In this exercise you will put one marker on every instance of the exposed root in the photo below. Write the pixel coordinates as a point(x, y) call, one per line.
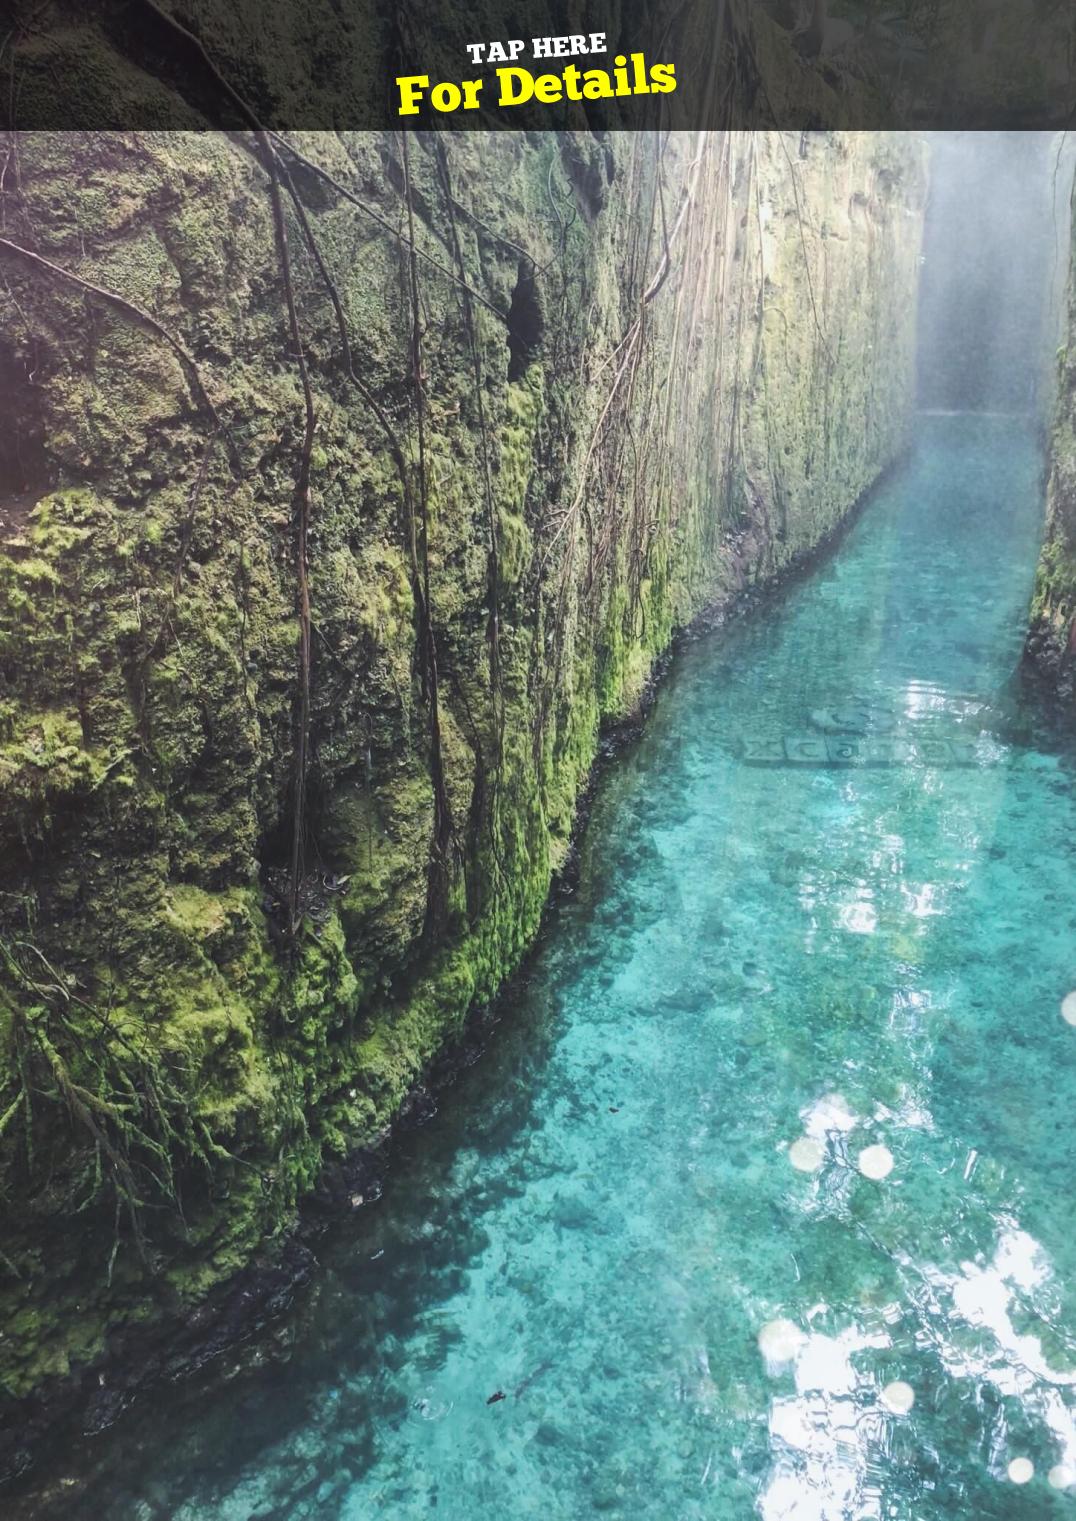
point(302, 570)
point(444, 830)
point(131, 311)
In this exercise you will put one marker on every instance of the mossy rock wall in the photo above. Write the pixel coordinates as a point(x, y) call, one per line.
point(1052, 636)
point(650, 374)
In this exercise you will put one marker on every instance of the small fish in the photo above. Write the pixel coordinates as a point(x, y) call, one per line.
point(500, 1395)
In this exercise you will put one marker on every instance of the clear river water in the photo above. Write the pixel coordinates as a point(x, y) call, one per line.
point(825, 905)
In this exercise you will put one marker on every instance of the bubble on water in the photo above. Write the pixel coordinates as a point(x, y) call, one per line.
point(859, 918)
point(426, 1409)
point(780, 1340)
point(898, 1397)
point(1068, 1008)
point(806, 1155)
point(1021, 1470)
point(831, 1112)
point(875, 1162)
point(1061, 1476)
point(841, 1113)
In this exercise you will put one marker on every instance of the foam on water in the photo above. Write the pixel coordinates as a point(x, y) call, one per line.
point(602, 1223)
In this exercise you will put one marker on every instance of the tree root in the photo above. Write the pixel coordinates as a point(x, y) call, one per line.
point(129, 309)
point(302, 512)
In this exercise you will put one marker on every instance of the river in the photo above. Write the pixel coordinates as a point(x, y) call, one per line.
point(825, 899)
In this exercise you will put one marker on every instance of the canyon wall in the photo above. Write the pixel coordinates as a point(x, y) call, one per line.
point(1051, 645)
point(349, 488)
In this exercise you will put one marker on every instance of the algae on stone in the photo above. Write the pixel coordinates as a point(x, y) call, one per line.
point(680, 423)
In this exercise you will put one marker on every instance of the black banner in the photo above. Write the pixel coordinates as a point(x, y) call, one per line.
point(556, 64)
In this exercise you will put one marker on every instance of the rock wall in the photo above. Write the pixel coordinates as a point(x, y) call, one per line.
point(275, 818)
point(1051, 644)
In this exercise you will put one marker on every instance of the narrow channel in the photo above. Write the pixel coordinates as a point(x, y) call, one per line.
point(826, 897)
point(754, 1199)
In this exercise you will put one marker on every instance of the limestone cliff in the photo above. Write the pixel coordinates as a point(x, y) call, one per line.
point(1051, 644)
point(351, 486)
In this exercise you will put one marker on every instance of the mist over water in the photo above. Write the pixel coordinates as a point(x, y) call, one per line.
point(988, 309)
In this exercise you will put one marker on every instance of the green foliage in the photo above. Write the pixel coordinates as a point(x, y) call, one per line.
point(173, 1066)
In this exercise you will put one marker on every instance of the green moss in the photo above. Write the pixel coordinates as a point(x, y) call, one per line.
point(149, 631)
point(1053, 608)
point(523, 413)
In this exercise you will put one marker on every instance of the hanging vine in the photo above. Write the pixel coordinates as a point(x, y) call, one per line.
point(129, 309)
point(302, 509)
point(443, 839)
point(486, 779)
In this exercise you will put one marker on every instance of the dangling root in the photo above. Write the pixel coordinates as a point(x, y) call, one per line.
point(302, 513)
point(133, 313)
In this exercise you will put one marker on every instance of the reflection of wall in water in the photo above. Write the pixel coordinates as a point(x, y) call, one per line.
point(985, 329)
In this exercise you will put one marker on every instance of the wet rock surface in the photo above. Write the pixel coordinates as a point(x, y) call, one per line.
point(247, 1025)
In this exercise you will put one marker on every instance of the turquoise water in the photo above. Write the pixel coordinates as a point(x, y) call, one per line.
point(764, 944)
